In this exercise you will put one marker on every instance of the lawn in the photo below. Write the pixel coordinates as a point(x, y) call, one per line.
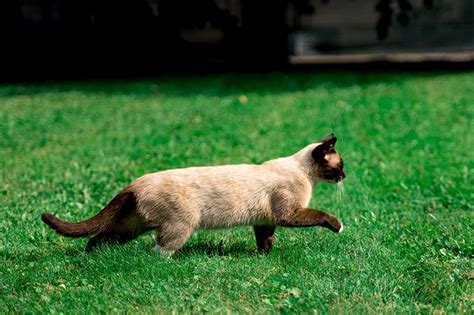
point(407, 207)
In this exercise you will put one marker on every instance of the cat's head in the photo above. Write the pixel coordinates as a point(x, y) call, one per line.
point(329, 164)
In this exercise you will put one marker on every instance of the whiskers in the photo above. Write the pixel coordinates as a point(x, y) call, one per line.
point(339, 191)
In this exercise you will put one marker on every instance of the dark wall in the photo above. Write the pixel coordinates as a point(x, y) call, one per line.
point(102, 37)
point(87, 38)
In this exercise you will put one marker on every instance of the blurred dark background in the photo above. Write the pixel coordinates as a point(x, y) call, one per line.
point(47, 39)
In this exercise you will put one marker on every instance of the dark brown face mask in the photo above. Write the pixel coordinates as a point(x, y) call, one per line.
point(330, 164)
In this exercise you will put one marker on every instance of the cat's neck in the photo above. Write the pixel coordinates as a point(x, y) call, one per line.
point(305, 162)
point(301, 162)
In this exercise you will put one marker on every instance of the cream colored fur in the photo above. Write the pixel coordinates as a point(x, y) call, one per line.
point(194, 198)
point(175, 203)
point(226, 196)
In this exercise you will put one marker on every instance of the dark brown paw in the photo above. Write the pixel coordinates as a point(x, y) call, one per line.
point(333, 224)
point(265, 245)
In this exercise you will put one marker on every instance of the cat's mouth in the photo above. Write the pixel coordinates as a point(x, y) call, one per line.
point(334, 177)
point(341, 177)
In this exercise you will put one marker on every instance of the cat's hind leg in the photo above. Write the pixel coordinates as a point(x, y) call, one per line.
point(120, 232)
point(95, 241)
point(109, 238)
point(171, 237)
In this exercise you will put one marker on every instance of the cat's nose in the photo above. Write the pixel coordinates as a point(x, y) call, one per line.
point(342, 176)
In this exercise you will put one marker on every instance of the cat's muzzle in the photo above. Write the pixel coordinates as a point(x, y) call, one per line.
point(341, 177)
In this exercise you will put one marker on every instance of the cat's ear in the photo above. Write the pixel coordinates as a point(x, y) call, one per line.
point(329, 140)
point(327, 145)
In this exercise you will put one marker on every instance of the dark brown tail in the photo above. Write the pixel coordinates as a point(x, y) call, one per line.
point(98, 223)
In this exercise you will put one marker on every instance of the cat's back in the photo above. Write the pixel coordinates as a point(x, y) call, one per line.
point(219, 195)
point(226, 181)
point(208, 180)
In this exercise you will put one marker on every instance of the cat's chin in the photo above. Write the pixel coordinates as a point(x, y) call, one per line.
point(332, 181)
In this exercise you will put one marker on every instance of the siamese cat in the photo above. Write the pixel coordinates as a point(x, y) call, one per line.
point(177, 202)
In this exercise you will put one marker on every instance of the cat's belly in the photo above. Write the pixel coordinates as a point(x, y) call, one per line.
point(232, 216)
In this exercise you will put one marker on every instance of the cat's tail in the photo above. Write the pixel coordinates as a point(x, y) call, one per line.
point(101, 222)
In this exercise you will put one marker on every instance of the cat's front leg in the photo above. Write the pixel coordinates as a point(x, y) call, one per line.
point(264, 237)
point(305, 217)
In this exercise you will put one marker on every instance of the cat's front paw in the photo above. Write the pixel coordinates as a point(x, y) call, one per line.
point(333, 224)
point(341, 229)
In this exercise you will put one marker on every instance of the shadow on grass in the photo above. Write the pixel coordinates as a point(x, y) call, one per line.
point(218, 84)
point(75, 252)
point(212, 249)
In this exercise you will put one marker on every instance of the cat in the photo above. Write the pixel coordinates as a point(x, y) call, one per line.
point(175, 203)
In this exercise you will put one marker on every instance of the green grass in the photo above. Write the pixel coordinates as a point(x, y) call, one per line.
point(407, 141)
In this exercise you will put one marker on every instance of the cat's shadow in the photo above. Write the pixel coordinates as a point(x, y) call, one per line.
point(192, 249)
point(213, 249)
